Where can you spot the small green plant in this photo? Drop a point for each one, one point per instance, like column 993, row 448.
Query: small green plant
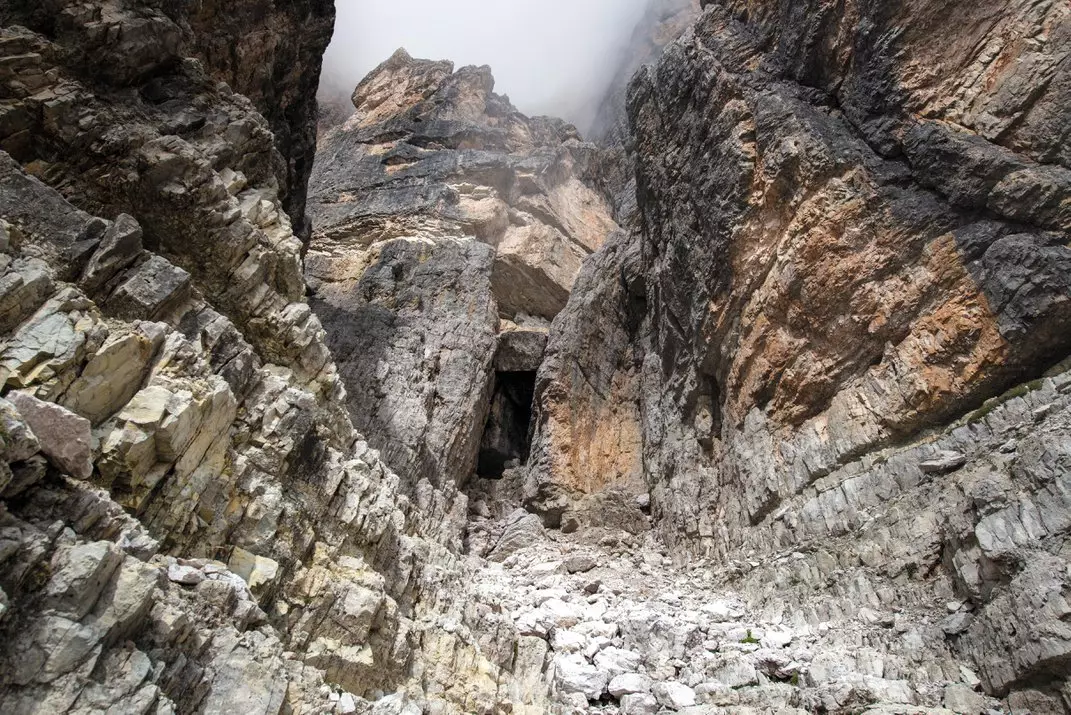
column 995, row 402
column 750, row 638
column 795, row 679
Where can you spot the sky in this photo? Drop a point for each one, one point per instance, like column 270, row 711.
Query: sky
column 550, row 56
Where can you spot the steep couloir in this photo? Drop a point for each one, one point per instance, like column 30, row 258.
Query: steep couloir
column 450, row 229
column 797, row 438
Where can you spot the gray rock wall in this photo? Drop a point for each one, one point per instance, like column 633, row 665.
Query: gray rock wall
column 834, row 270
column 800, row 432
column 232, row 542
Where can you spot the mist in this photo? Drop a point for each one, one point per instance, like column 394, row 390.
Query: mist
column 553, row 57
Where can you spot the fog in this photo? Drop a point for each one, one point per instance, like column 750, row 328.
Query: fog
column 550, row 56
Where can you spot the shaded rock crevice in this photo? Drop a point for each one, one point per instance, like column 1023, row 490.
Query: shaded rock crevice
column 484, row 218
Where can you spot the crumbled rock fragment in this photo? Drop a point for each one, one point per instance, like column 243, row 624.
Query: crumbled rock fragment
column 943, row 462
column 185, row 575
column 675, row 696
column 80, row 575
column 580, row 563
column 259, row 572
column 573, row 674
column 629, row 683
column 64, row 437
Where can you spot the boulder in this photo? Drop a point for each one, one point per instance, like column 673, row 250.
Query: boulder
column 639, row 704
column 581, row 563
column 184, row 575
column 963, row 700
column 150, row 291
column 522, row 530
column 628, row 684
column 943, row 462
column 573, row 674
column 618, row 661
column 520, row 349
column 64, row 437
column 80, row 575
column 119, row 248
column 17, row 440
column 675, row 696
column 259, row 572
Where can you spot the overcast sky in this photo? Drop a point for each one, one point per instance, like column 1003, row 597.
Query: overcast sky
column 550, row 56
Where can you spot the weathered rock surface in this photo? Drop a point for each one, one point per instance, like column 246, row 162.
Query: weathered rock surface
column 415, row 337
column 64, row 436
column 655, row 638
column 805, row 425
column 234, row 544
column 662, row 22
column 849, row 239
column 587, row 422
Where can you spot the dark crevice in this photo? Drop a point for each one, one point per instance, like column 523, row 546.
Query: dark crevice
column 507, row 435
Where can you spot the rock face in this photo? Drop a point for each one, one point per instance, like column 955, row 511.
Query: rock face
column 587, row 422
column 276, row 66
column 614, row 173
column 845, row 288
column 849, row 240
column 269, row 54
column 188, row 519
column 440, row 210
column 663, row 22
column 797, row 438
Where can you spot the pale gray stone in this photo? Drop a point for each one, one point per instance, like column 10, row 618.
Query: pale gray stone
column 573, row 674
column 639, row 704
column 629, row 683
column 80, row 575
column 580, row 563
column 675, row 696
column 961, row 699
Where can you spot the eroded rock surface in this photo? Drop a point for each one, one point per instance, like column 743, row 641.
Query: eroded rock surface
column 197, row 526
column 800, row 430
column 849, row 237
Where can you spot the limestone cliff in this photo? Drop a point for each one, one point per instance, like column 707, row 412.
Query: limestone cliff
column 447, row 223
column 853, row 241
column 759, row 404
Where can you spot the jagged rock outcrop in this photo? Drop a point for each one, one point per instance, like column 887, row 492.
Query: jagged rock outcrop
column 851, row 237
column 662, row 22
column 189, row 520
column 276, row 66
column 441, row 210
column 269, row 54
column 587, row 422
column 613, row 173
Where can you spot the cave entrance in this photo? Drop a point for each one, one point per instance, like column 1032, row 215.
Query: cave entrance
column 506, row 439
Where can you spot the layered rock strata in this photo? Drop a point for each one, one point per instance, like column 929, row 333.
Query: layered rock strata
column 662, row 22
column 800, row 430
column 189, row 520
column 850, row 237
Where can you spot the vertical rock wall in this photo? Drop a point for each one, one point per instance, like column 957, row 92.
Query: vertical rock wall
column 449, row 227
column 828, row 354
column 851, row 237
